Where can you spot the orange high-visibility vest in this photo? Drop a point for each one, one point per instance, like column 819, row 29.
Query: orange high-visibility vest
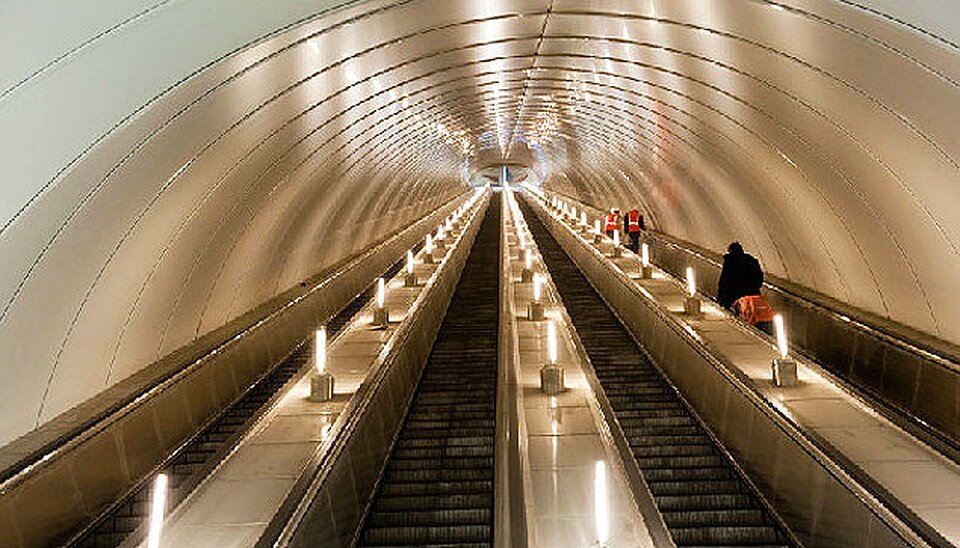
column 633, row 221
column 612, row 223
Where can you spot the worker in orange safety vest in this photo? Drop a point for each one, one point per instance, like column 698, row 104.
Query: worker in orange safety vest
column 613, row 222
column 633, row 224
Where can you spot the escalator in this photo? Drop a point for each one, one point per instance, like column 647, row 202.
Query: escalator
column 198, row 457
column 699, row 493
column 437, row 485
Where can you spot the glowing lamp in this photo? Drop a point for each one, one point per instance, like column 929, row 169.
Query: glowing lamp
column 782, row 346
column 596, row 226
column 616, row 238
column 321, row 384
column 601, row 503
column 411, row 278
column 381, row 316
column 537, row 288
column 691, row 282
column 158, row 507
column 784, row 369
column 527, row 259
column 615, row 252
column 583, row 218
column 428, row 247
column 691, row 305
column 551, row 343
column 645, row 255
column 320, row 350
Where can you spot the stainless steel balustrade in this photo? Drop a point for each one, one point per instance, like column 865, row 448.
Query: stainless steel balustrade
column 327, row 506
column 510, row 520
column 916, row 376
column 919, row 381
column 821, row 503
column 64, row 475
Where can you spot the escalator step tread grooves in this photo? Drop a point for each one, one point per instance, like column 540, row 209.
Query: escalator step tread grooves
column 437, row 486
column 701, row 496
column 127, row 517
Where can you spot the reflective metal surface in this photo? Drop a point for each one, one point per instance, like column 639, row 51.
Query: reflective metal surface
column 819, row 500
column 92, row 460
column 168, row 166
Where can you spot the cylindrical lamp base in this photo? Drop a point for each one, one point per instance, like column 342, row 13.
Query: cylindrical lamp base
column 551, row 379
column 535, row 311
column 784, row 372
column 691, row 306
column 381, row 316
column 321, row 387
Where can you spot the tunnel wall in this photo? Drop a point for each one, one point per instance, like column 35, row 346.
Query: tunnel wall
column 168, row 165
column 177, row 165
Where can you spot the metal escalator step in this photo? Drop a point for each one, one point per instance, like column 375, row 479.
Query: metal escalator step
column 442, row 452
column 419, row 536
column 671, row 450
column 724, row 536
column 426, row 518
column 702, row 487
column 453, row 441
column 687, row 474
column 704, row 501
column 439, row 476
column 751, row 517
column 705, row 461
column 449, row 463
column 411, row 502
column 465, row 487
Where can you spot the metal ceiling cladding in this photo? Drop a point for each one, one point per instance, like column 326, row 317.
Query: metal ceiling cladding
column 167, row 166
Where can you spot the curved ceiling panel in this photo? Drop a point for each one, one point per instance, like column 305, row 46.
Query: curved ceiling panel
column 169, row 166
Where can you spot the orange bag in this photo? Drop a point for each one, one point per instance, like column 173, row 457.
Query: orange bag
column 754, row 309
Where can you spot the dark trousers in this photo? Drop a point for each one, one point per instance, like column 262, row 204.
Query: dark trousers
column 635, row 242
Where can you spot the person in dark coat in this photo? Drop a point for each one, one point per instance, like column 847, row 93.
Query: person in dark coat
column 741, row 275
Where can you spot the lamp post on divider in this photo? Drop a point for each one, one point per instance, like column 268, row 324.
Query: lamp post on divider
column 691, row 305
column 321, row 383
column 428, row 250
column 381, row 315
column 646, row 271
column 158, row 510
column 616, row 252
column 551, row 374
column 535, row 307
column 601, row 504
column 411, row 279
column 597, row 233
column 526, row 275
column 784, row 368
column 439, row 242
column 584, row 226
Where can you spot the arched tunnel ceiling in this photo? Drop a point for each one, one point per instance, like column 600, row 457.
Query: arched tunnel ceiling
column 169, row 165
